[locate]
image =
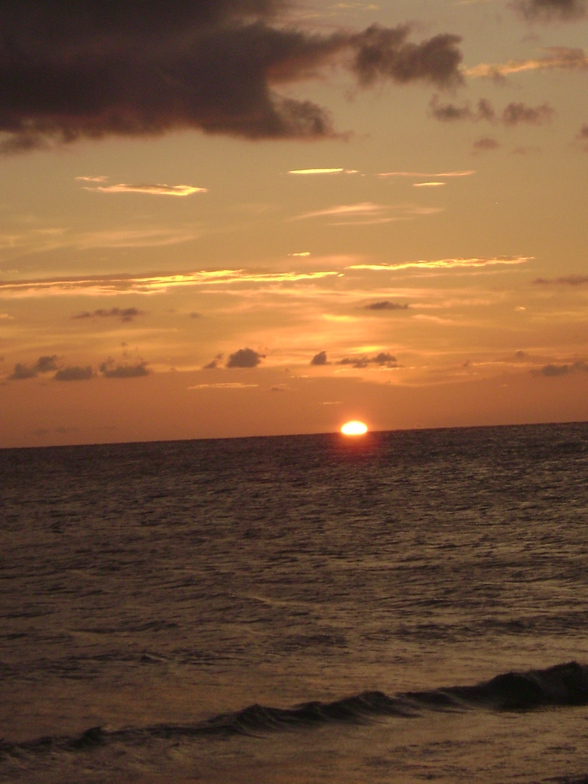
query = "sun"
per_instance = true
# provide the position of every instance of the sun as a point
(354, 428)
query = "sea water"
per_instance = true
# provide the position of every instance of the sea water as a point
(401, 607)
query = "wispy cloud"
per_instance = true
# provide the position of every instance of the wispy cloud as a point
(157, 189)
(559, 57)
(367, 213)
(323, 171)
(569, 280)
(101, 178)
(466, 173)
(224, 385)
(438, 264)
(55, 238)
(149, 284)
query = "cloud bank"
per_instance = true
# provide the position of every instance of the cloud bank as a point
(550, 10)
(145, 68)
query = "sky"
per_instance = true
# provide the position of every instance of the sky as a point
(227, 218)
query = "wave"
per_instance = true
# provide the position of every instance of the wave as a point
(560, 685)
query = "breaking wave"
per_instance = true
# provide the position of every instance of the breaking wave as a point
(560, 685)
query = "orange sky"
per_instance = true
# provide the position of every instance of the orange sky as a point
(245, 217)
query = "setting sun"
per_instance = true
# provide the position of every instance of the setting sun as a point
(354, 428)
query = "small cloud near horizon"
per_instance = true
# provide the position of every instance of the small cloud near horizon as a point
(386, 305)
(244, 358)
(110, 369)
(320, 359)
(569, 280)
(45, 364)
(74, 373)
(124, 314)
(383, 359)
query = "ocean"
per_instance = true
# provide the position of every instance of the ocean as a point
(399, 607)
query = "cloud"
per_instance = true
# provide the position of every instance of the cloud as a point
(214, 363)
(74, 373)
(559, 58)
(386, 305)
(513, 114)
(111, 370)
(149, 284)
(45, 364)
(88, 70)
(485, 144)
(124, 314)
(321, 171)
(320, 359)
(244, 358)
(383, 359)
(550, 10)
(22, 372)
(224, 385)
(466, 173)
(582, 136)
(516, 113)
(157, 189)
(439, 264)
(564, 370)
(101, 178)
(368, 213)
(569, 280)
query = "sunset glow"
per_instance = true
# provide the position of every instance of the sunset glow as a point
(366, 207)
(354, 428)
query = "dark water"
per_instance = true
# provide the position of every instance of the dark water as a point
(403, 607)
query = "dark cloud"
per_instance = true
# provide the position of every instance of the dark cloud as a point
(111, 370)
(320, 359)
(22, 372)
(384, 359)
(569, 280)
(549, 10)
(213, 363)
(144, 68)
(513, 114)
(564, 370)
(44, 364)
(582, 136)
(386, 305)
(244, 358)
(486, 144)
(74, 373)
(124, 314)
(384, 52)
(516, 113)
